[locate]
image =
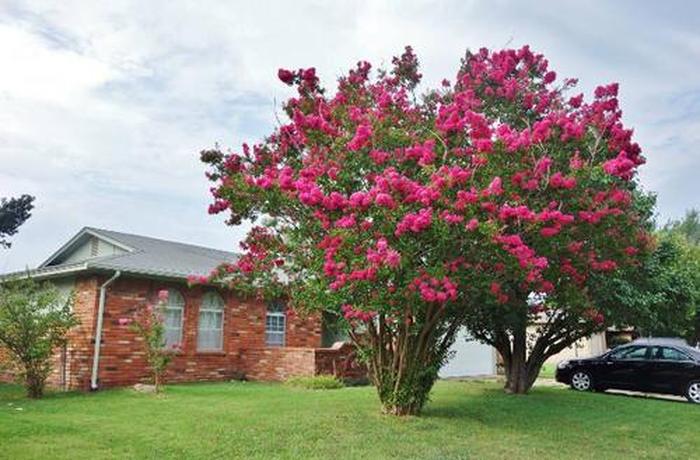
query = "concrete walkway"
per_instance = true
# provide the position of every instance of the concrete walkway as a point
(545, 382)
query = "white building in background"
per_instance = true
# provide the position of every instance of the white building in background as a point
(472, 358)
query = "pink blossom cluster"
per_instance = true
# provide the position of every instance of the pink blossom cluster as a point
(362, 137)
(351, 313)
(415, 222)
(432, 289)
(497, 291)
(620, 166)
(383, 255)
(423, 153)
(526, 256)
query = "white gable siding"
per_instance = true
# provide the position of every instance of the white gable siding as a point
(93, 247)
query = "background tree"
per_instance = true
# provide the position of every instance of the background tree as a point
(688, 226)
(661, 294)
(408, 216)
(34, 321)
(13, 213)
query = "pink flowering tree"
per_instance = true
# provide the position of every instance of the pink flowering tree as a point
(147, 323)
(562, 209)
(408, 216)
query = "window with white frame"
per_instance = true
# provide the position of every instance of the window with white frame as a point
(275, 322)
(172, 315)
(211, 323)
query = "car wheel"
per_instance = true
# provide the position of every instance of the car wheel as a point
(581, 381)
(693, 392)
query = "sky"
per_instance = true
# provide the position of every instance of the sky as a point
(104, 106)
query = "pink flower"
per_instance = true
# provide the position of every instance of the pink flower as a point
(361, 138)
(549, 77)
(346, 221)
(385, 200)
(287, 76)
(495, 187)
(163, 295)
(472, 224)
(124, 321)
(560, 181)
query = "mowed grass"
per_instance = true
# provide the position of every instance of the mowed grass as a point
(464, 420)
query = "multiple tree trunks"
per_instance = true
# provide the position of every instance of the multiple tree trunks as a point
(404, 360)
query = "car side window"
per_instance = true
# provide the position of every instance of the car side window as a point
(668, 354)
(630, 353)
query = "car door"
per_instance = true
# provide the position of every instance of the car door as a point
(670, 370)
(626, 368)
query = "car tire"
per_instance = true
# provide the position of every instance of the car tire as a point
(581, 381)
(692, 392)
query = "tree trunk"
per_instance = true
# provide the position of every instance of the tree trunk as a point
(516, 367)
(34, 384)
(404, 361)
(521, 371)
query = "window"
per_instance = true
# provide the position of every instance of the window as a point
(669, 354)
(275, 321)
(211, 323)
(630, 353)
(173, 318)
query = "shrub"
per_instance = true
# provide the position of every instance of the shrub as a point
(34, 321)
(147, 322)
(317, 382)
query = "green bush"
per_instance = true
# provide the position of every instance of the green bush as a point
(317, 382)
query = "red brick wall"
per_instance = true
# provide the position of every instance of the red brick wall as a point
(244, 350)
(73, 365)
(340, 361)
(278, 363)
(6, 374)
(122, 358)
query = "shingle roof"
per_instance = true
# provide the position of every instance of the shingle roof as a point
(145, 256)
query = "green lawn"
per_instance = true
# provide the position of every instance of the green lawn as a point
(547, 371)
(251, 420)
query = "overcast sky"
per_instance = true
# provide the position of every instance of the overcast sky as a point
(104, 106)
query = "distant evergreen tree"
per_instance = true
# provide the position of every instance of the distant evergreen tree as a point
(13, 213)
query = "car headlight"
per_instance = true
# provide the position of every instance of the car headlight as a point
(562, 364)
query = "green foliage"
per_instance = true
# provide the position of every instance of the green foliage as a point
(689, 226)
(34, 321)
(660, 296)
(148, 324)
(316, 382)
(13, 213)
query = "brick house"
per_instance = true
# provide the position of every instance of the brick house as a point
(221, 336)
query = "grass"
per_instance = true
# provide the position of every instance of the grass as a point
(547, 371)
(465, 420)
(317, 382)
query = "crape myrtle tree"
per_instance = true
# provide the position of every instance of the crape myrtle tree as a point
(567, 210)
(408, 216)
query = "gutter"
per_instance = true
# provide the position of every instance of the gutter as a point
(98, 330)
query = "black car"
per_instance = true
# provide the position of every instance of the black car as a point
(651, 365)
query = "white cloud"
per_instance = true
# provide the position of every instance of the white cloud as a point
(106, 104)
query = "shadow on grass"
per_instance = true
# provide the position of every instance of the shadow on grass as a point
(13, 393)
